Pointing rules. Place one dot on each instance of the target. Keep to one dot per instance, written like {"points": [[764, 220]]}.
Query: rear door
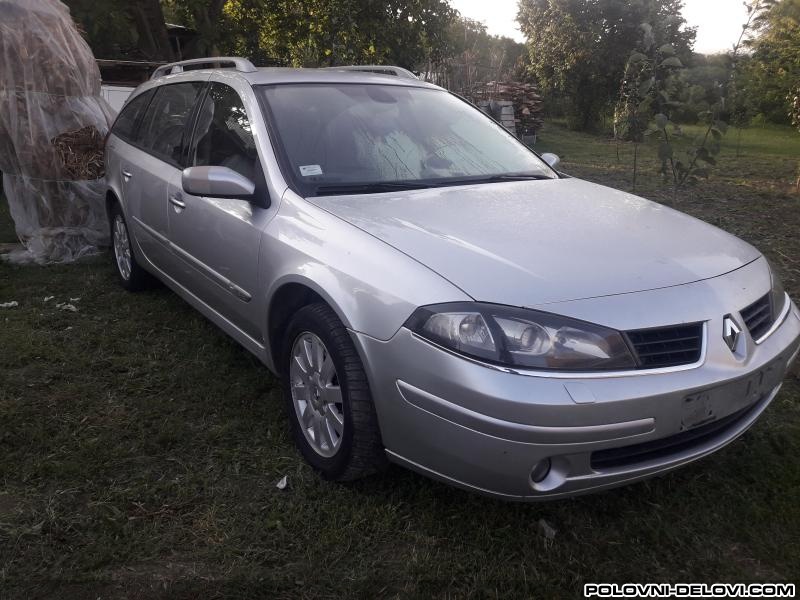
{"points": [[123, 155], [160, 139], [217, 239]]}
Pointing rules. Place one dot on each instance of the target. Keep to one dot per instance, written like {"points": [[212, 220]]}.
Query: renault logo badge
{"points": [[730, 332]]}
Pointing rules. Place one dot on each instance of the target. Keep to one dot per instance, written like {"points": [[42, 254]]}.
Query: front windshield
{"points": [[341, 136]]}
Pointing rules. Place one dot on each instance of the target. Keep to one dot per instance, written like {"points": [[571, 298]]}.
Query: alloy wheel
{"points": [[316, 394], [122, 247]]}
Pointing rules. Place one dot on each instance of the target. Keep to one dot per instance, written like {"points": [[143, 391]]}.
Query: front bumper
{"points": [[486, 429]]}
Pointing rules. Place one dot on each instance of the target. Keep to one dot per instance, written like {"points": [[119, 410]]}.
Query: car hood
{"points": [[535, 242]]}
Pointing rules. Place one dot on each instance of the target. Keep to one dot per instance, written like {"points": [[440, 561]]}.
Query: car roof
{"points": [[273, 75], [280, 75], [283, 75]]}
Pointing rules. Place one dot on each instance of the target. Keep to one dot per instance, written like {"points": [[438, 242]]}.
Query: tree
{"points": [[311, 33], [334, 32], [121, 29], [579, 48], [207, 19], [473, 56], [149, 19], [648, 88], [644, 95], [794, 115], [775, 65], [699, 85]]}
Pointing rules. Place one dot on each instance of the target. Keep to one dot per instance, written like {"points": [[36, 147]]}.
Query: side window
{"points": [[125, 125], [162, 129], [223, 137]]}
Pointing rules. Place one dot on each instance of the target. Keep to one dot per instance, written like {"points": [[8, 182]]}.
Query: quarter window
{"points": [[164, 124], [223, 137], [125, 125]]}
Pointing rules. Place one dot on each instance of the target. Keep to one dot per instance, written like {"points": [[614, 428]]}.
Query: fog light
{"points": [[541, 470]]}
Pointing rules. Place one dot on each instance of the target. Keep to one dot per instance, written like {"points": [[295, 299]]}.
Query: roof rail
{"points": [[379, 69], [240, 64]]}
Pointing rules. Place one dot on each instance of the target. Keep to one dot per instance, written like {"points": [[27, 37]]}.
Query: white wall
{"points": [[115, 95]]}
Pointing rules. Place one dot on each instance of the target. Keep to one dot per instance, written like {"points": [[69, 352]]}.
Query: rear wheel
{"points": [[329, 405], [132, 277]]}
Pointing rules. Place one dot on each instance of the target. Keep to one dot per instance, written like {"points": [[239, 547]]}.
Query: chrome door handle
{"points": [[127, 175], [176, 201]]}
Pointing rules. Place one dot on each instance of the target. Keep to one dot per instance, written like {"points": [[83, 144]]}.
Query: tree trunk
{"points": [[738, 141], [207, 19], [152, 31]]}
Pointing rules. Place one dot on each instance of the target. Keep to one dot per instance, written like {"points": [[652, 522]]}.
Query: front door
{"points": [[216, 240]]}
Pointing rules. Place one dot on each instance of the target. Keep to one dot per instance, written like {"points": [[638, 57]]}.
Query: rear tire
{"points": [[329, 405], [131, 276]]}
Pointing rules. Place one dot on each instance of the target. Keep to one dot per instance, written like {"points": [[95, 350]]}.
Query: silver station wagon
{"points": [[433, 293]]}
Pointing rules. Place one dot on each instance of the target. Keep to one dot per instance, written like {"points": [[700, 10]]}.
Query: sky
{"points": [[718, 22]]}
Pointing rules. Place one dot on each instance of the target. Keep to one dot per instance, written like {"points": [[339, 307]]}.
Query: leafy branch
{"points": [[644, 96], [794, 115], [642, 92]]}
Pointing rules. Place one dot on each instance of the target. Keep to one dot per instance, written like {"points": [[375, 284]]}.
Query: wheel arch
{"points": [[111, 200], [290, 295]]}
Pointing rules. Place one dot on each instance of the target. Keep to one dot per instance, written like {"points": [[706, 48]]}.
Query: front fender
{"points": [[371, 286]]}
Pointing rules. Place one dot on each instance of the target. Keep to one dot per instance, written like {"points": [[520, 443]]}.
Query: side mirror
{"points": [[551, 159], [217, 182]]}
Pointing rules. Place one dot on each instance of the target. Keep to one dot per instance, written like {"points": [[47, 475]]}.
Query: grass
{"points": [[773, 140], [140, 447]]}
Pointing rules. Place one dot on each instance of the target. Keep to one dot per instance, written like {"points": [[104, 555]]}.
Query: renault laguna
{"points": [[433, 293]]}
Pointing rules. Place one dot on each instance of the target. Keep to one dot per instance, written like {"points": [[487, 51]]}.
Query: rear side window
{"points": [[223, 137], [125, 125], [163, 127]]}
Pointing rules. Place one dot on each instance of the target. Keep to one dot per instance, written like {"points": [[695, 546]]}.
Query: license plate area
{"points": [[708, 405]]}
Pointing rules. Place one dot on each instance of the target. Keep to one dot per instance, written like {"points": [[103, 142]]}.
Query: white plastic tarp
{"points": [[53, 121]]}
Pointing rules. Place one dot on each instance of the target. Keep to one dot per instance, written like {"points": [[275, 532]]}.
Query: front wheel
{"points": [[330, 407]]}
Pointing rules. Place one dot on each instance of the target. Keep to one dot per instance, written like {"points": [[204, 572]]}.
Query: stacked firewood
{"points": [[81, 152], [524, 97]]}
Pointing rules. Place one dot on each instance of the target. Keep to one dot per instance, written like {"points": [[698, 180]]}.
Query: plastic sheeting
{"points": [[49, 87]]}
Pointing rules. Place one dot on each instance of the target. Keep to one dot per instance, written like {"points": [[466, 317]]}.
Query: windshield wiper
{"points": [[394, 186], [371, 188], [506, 177]]}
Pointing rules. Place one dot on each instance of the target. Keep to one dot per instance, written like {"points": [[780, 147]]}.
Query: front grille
{"points": [[667, 346], [758, 316], [686, 440]]}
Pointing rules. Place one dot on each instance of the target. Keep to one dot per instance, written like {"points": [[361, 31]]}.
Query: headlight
{"points": [[777, 294], [521, 337]]}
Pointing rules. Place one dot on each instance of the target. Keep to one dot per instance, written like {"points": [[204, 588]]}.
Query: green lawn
{"points": [[772, 140], [140, 447]]}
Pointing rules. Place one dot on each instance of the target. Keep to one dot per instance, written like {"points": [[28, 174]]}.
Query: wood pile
{"points": [[502, 111], [524, 97], [81, 153]]}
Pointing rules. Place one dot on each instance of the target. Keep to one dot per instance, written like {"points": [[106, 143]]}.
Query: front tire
{"points": [[329, 405], [132, 277]]}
